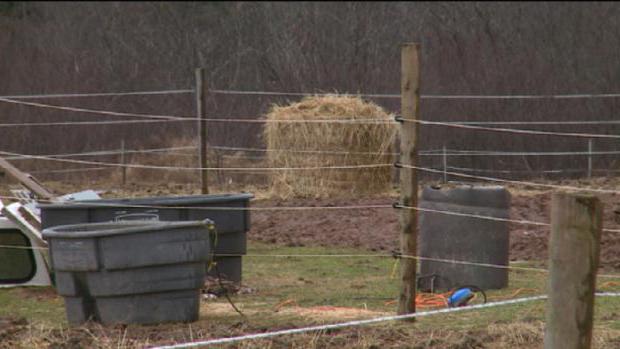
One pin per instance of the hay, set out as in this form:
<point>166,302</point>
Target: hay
<point>353,138</point>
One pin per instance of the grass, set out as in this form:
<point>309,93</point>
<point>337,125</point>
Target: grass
<point>290,292</point>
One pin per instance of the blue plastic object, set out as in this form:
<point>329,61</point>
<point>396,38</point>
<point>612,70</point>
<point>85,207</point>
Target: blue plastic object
<point>460,297</point>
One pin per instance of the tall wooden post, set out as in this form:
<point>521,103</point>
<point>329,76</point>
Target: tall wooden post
<point>590,158</point>
<point>123,163</point>
<point>576,224</point>
<point>445,165</point>
<point>410,98</point>
<point>201,96</point>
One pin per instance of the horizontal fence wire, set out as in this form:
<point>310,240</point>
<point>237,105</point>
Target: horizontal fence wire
<point>87,123</point>
<point>546,123</point>
<point>107,152</point>
<point>345,120</point>
<point>456,152</point>
<point>430,152</point>
<point>310,151</point>
<point>568,170</point>
<point>423,96</point>
<point>513,130</point>
<point>573,170</point>
<point>100,94</point>
<point>368,255</point>
<point>441,260</point>
<point>516,182</point>
<point>301,94</point>
<point>336,121</point>
<point>89,111</point>
<point>286,93</point>
<point>305,208</point>
<point>155,167</point>
<point>70,170</point>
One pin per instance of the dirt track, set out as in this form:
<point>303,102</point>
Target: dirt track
<point>377,229</point>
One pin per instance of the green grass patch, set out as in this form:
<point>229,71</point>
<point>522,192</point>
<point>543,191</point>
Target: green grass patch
<point>301,283</point>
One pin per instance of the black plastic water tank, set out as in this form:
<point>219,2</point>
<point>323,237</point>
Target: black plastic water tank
<point>463,238</point>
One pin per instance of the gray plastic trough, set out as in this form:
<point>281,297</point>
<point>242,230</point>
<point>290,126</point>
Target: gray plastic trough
<point>141,272</point>
<point>232,225</point>
<point>464,238</point>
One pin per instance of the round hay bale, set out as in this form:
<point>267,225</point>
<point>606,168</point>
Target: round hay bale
<point>317,144</point>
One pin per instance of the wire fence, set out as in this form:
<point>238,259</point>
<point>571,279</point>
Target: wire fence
<point>475,126</point>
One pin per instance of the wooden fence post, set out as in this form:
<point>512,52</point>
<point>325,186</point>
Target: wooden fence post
<point>576,224</point>
<point>201,97</point>
<point>590,158</point>
<point>410,98</point>
<point>123,164</point>
<point>445,165</point>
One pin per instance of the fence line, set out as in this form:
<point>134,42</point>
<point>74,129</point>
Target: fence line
<point>84,123</point>
<point>570,170</point>
<point>301,94</point>
<point>311,208</point>
<point>375,255</point>
<point>423,96</point>
<point>430,152</point>
<point>285,93</point>
<point>100,94</point>
<point>349,120</point>
<point>551,123</point>
<point>154,167</point>
<point>518,96</point>
<point>90,111</point>
<point>105,152</point>
<point>73,170</point>
<point>456,152</point>
<point>343,152</point>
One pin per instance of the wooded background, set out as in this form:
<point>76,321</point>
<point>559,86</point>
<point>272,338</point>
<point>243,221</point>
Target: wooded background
<point>466,48</point>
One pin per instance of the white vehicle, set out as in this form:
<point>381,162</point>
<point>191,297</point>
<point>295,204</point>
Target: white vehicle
<point>24,259</point>
<point>23,252</point>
